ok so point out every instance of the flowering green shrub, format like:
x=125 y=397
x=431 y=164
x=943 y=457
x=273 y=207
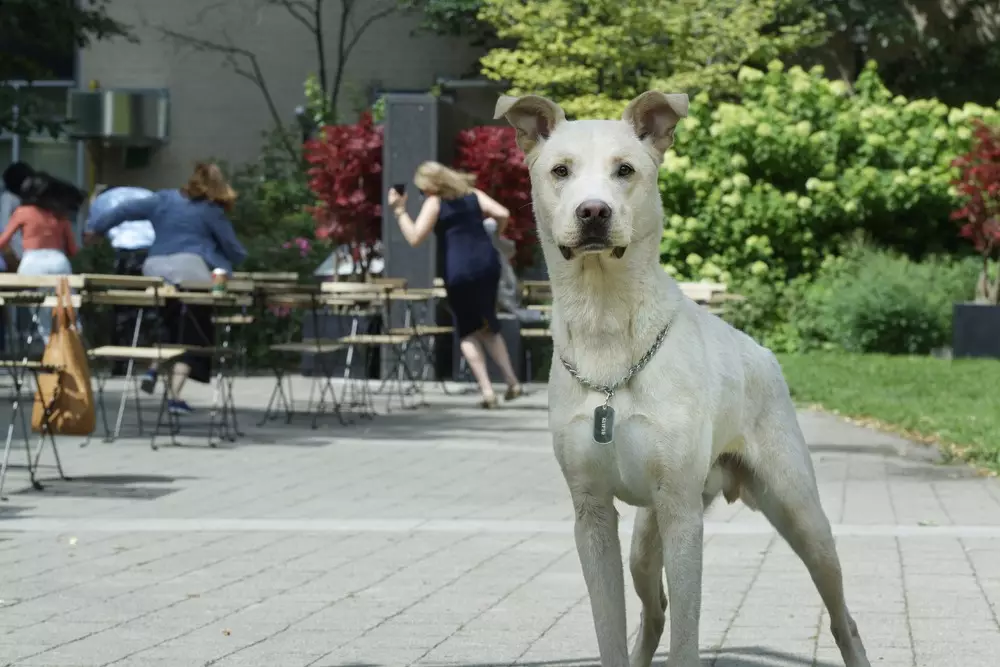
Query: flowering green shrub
x=867 y=300
x=769 y=187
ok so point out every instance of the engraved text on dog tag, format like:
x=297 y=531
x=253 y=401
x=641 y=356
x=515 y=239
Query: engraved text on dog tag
x=604 y=424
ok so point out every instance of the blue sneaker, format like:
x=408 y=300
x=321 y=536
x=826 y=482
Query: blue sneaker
x=179 y=407
x=148 y=383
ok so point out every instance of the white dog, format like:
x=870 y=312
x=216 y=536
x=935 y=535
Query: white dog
x=710 y=412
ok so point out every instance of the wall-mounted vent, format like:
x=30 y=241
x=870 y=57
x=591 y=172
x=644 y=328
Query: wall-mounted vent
x=127 y=117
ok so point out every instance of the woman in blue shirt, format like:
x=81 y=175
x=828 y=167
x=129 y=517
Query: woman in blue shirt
x=193 y=237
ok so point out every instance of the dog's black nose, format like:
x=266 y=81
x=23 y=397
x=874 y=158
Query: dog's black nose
x=593 y=211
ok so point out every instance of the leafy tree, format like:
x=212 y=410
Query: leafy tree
x=36 y=36
x=946 y=52
x=594 y=55
x=454 y=18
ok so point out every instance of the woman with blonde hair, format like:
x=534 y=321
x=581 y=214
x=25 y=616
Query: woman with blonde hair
x=454 y=210
x=193 y=237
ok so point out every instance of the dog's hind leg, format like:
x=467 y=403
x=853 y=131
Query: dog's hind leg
x=646 y=565
x=782 y=482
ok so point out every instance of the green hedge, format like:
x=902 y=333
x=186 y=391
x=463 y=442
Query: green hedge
x=770 y=187
x=865 y=301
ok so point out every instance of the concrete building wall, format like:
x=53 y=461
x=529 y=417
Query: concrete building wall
x=215 y=112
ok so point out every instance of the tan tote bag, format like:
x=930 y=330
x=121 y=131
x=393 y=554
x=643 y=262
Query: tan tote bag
x=69 y=390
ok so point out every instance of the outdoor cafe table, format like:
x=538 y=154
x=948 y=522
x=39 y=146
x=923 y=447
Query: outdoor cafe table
x=223 y=416
x=314 y=299
x=19 y=367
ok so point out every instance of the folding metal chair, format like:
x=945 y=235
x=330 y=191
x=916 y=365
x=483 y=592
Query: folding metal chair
x=223 y=415
x=319 y=348
x=399 y=373
x=18 y=370
x=424 y=334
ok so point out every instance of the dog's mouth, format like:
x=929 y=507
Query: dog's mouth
x=589 y=246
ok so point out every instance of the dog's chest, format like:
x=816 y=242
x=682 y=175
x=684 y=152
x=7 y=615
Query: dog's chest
x=625 y=462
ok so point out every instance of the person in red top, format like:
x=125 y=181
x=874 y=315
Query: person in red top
x=48 y=242
x=41 y=230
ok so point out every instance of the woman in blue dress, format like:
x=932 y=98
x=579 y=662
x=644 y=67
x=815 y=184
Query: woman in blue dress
x=454 y=210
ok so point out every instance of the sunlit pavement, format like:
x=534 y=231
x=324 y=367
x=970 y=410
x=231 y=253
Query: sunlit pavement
x=443 y=536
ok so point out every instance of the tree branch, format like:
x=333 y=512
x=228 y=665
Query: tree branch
x=300 y=11
x=360 y=30
x=342 y=53
x=233 y=55
x=345 y=46
x=319 y=35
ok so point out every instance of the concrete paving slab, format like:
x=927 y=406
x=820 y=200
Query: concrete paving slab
x=443 y=536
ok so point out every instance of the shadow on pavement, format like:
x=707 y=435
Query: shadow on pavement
x=8 y=511
x=742 y=656
x=138 y=487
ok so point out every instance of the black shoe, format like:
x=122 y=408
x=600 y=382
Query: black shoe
x=148 y=383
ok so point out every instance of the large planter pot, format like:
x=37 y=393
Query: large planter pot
x=976 y=330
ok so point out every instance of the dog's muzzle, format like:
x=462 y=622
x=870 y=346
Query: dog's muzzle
x=594 y=218
x=617 y=252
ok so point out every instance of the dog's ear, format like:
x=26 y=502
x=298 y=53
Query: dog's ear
x=654 y=115
x=532 y=116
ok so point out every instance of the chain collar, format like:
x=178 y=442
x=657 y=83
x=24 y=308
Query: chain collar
x=610 y=389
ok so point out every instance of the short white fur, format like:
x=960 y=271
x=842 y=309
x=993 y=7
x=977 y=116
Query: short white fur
x=710 y=413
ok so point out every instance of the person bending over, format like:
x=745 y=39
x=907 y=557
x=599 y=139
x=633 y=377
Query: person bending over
x=193 y=237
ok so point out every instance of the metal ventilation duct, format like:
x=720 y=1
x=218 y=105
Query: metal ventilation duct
x=128 y=117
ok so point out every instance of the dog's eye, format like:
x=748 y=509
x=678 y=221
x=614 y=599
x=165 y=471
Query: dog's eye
x=625 y=171
x=560 y=171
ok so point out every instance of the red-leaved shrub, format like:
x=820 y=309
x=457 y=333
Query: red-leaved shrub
x=491 y=153
x=345 y=174
x=979 y=185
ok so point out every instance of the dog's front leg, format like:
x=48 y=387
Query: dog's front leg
x=682 y=526
x=601 y=559
x=680 y=517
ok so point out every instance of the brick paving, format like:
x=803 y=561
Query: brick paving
x=443 y=536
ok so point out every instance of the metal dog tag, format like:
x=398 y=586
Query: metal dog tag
x=604 y=424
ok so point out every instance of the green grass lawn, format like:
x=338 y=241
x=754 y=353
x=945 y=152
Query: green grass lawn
x=953 y=403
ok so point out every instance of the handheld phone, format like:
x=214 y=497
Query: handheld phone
x=400 y=188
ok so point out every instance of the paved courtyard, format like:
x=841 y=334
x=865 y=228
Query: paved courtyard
x=443 y=536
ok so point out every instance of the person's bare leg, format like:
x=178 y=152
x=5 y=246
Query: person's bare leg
x=180 y=376
x=477 y=364
x=496 y=347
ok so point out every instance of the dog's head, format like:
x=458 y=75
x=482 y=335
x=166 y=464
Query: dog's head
x=594 y=181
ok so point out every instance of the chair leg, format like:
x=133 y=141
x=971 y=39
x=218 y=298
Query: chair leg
x=214 y=418
x=137 y=401
x=18 y=413
x=230 y=402
x=55 y=449
x=276 y=393
x=425 y=362
x=398 y=365
x=327 y=386
x=46 y=430
x=312 y=388
x=159 y=417
x=527 y=364
x=6 y=449
x=440 y=379
x=121 y=406
x=417 y=383
x=101 y=381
